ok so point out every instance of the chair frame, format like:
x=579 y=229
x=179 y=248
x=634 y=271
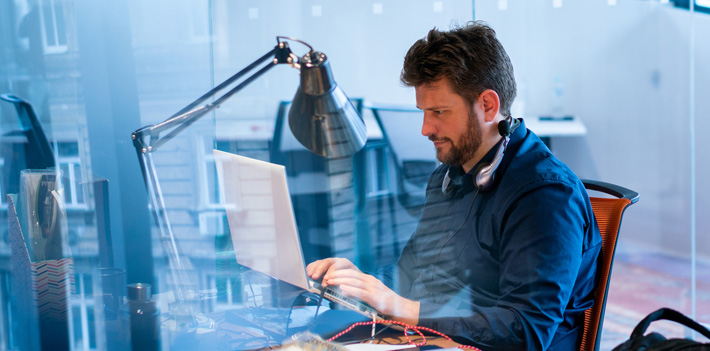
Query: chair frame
x=39 y=153
x=615 y=208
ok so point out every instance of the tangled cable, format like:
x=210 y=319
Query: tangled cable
x=407 y=327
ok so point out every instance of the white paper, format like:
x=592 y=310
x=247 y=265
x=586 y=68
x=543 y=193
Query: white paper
x=376 y=347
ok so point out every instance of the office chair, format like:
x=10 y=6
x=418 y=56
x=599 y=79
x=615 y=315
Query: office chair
x=38 y=150
x=414 y=160
x=608 y=212
x=23 y=148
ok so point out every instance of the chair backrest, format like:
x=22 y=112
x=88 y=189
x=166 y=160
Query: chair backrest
x=414 y=159
x=608 y=212
x=39 y=153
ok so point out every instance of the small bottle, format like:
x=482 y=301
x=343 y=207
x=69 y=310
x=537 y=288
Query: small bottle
x=558 y=97
x=144 y=318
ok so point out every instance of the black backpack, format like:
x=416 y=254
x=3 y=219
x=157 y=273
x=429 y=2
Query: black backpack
x=657 y=342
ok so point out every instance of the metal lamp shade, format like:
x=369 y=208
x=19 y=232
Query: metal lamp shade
x=322 y=118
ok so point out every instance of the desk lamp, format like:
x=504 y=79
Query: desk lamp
x=322 y=118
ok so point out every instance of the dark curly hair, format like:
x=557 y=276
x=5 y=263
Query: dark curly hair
x=471 y=57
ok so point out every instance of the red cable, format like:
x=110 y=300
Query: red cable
x=407 y=327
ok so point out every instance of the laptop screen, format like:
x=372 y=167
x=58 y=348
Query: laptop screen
x=260 y=216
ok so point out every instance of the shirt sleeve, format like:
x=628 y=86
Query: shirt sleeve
x=541 y=237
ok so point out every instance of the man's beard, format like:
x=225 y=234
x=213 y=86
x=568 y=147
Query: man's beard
x=463 y=149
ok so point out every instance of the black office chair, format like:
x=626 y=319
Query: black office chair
x=25 y=148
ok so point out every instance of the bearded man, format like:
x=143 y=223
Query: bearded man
x=505 y=253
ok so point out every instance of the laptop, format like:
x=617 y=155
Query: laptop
x=263 y=227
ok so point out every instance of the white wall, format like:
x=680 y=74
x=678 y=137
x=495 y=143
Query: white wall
x=365 y=41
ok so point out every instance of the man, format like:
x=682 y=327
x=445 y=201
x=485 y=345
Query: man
x=502 y=261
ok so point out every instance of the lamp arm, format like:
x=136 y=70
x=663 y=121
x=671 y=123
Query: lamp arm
x=185 y=120
x=192 y=113
x=226 y=83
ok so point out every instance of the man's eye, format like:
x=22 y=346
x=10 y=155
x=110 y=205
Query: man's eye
x=439 y=112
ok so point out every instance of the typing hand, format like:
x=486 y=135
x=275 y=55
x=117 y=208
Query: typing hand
x=373 y=292
x=319 y=269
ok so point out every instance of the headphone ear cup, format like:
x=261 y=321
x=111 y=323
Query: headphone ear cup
x=504 y=128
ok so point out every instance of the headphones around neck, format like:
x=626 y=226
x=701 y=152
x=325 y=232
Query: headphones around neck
x=484 y=175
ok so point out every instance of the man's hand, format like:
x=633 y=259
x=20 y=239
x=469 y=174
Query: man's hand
x=318 y=269
x=353 y=283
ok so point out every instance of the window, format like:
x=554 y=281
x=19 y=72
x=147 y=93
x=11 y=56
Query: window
x=70 y=164
x=211 y=204
x=700 y=5
x=210 y=197
x=54 y=33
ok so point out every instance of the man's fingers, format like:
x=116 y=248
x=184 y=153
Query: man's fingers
x=334 y=273
x=316 y=269
x=374 y=295
x=353 y=282
x=325 y=267
x=355 y=292
x=349 y=278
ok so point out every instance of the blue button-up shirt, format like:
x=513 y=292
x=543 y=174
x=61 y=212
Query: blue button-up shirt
x=509 y=268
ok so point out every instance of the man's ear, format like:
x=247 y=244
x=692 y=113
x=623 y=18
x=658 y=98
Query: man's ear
x=490 y=103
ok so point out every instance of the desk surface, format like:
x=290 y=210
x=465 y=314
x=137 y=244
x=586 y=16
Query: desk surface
x=268 y=328
x=556 y=127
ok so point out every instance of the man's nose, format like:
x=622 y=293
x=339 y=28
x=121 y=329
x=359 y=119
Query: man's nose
x=427 y=127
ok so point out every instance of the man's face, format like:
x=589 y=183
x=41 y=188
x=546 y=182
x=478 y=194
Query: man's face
x=450 y=122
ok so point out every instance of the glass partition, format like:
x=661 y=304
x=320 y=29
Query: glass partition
x=630 y=74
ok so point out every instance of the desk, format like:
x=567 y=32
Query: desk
x=268 y=329
x=556 y=126
x=549 y=127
